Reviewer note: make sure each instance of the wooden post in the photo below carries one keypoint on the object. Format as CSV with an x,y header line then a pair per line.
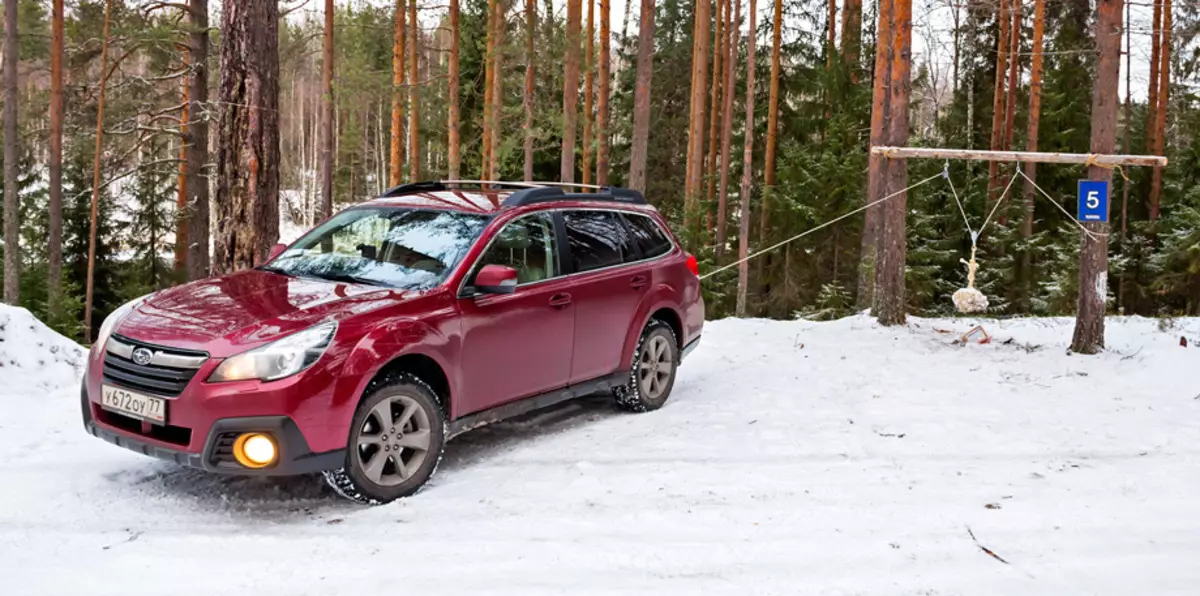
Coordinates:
x,y
1101,159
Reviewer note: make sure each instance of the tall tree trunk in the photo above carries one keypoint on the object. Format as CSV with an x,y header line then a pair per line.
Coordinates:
x,y
1156,30
1014,62
831,32
605,80
181,197
452,144
747,169
530,26
497,99
730,50
1093,256
396,157
772,138
12,204
997,141
489,73
1031,144
248,135
877,165
956,19
570,91
1160,113
197,153
714,120
414,95
325,206
889,307
91,269
54,258
589,57
852,36
641,97
695,168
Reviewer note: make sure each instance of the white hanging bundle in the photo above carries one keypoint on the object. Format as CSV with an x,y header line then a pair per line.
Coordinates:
x,y
969,300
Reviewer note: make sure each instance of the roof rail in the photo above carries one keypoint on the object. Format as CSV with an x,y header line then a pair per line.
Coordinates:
x,y
528,192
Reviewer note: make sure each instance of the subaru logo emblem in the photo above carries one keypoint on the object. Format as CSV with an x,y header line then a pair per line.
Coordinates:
x,y
142,356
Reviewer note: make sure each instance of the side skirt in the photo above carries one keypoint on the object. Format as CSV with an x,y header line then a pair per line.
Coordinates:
x,y
537,402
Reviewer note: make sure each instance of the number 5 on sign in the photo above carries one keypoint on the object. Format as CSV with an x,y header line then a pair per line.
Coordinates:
x,y
1093,200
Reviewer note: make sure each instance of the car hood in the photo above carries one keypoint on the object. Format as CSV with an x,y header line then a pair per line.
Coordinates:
x,y
229,314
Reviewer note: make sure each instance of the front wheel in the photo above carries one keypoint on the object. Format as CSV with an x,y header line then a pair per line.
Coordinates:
x,y
652,372
395,443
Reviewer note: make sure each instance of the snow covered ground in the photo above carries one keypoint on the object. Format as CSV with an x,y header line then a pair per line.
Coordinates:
x,y
793,457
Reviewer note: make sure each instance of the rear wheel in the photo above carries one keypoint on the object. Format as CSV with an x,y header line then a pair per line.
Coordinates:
x,y
652,372
395,443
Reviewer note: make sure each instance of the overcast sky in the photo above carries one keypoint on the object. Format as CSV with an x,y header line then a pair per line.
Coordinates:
x,y
932,24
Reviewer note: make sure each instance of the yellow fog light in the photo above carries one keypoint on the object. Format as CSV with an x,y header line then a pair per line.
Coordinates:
x,y
255,450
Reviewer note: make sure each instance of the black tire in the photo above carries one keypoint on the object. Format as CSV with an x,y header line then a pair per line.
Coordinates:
x,y
363,478
657,348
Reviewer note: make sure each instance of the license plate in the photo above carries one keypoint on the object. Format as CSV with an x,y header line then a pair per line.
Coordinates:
x,y
130,403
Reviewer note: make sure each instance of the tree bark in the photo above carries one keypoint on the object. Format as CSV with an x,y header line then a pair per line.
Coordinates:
x,y
1014,62
570,91
1093,256
641,97
198,264
714,120
489,73
325,205
877,165
414,96
589,57
852,36
889,306
997,140
772,138
248,135
695,168
605,80
1031,144
730,49
747,169
181,198
1160,113
396,157
530,26
1156,30
91,269
12,204
54,257
452,144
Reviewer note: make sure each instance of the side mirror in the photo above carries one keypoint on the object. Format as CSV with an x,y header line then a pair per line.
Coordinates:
x,y
496,279
275,250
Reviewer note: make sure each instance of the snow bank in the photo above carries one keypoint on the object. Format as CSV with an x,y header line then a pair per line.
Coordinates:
x,y
34,357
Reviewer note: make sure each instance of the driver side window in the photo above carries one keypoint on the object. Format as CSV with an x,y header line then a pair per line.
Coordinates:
x,y
526,244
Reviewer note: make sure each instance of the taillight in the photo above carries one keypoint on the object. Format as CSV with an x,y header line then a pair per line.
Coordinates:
x,y
693,265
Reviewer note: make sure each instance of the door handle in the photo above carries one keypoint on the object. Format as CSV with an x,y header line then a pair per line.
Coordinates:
x,y
560,300
638,282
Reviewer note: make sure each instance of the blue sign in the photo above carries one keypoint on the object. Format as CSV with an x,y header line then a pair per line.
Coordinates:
x,y
1093,200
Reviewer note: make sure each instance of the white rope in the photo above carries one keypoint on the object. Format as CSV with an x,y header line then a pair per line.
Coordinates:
x,y
824,225
1003,196
961,209
1093,235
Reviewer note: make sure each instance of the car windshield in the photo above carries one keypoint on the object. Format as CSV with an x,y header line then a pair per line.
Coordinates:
x,y
412,249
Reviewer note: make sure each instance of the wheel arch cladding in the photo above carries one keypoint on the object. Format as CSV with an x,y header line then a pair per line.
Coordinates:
x,y
424,368
663,312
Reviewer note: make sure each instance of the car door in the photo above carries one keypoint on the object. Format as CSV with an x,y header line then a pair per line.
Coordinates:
x,y
608,284
517,345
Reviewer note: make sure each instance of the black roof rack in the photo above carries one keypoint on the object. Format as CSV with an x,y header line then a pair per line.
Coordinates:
x,y
527,193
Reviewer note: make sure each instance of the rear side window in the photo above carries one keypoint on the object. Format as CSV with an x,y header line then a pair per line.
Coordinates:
x,y
598,239
648,236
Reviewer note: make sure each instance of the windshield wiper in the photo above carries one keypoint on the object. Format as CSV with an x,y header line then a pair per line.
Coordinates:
x,y
346,278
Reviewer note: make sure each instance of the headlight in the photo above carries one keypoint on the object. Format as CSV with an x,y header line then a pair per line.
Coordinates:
x,y
278,359
111,321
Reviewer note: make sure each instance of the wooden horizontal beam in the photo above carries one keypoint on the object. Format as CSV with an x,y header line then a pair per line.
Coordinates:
x,y
1022,156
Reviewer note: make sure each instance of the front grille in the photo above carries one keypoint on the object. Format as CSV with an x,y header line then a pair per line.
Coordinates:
x,y
157,379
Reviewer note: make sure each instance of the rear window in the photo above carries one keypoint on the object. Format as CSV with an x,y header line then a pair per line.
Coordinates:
x,y
598,239
648,236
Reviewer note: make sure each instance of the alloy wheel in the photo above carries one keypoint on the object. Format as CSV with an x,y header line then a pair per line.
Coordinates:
x,y
393,441
655,366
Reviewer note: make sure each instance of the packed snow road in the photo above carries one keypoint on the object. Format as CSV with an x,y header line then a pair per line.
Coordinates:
x,y
793,457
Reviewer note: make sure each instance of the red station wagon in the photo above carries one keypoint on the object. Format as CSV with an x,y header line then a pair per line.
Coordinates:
x,y
359,350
